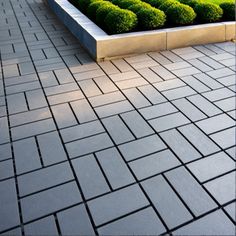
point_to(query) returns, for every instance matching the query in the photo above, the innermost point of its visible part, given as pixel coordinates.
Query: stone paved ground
(140, 145)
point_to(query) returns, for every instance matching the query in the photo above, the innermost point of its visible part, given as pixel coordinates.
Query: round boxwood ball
(120, 21)
(93, 7)
(139, 6)
(127, 3)
(228, 10)
(208, 12)
(180, 14)
(166, 4)
(154, 3)
(151, 18)
(191, 3)
(102, 12)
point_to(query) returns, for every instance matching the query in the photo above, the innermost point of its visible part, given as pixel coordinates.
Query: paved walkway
(140, 145)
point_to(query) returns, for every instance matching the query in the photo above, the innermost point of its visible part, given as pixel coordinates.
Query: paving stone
(231, 210)
(65, 97)
(190, 191)
(4, 138)
(3, 111)
(16, 231)
(122, 65)
(173, 57)
(83, 111)
(212, 63)
(10, 71)
(36, 99)
(89, 88)
(204, 105)
(218, 94)
(159, 58)
(108, 67)
(26, 68)
(88, 145)
(212, 166)
(141, 147)
(212, 224)
(117, 129)
(158, 110)
(137, 124)
(16, 103)
(9, 205)
(164, 199)
(113, 109)
(163, 73)
(220, 73)
(90, 176)
(137, 58)
(5, 151)
(195, 84)
(228, 80)
(177, 65)
(44, 203)
(105, 84)
(153, 164)
(44, 178)
(75, 221)
(63, 115)
(144, 222)
(89, 74)
(84, 68)
(170, 84)
(232, 152)
(29, 116)
(216, 123)
(189, 110)
(227, 104)
(61, 89)
(127, 200)
(149, 75)
(32, 129)
(179, 92)
(114, 168)
(107, 99)
(184, 50)
(225, 138)
(152, 94)
(168, 121)
(45, 226)
(186, 71)
(180, 146)
(21, 79)
(125, 84)
(22, 87)
(198, 139)
(48, 79)
(200, 65)
(6, 169)
(136, 98)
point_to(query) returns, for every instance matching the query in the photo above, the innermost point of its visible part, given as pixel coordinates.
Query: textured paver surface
(143, 145)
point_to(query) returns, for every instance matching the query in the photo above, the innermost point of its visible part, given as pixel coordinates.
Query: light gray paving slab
(208, 81)
(218, 94)
(75, 221)
(6, 169)
(190, 191)
(5, 151)
(169, 84)
(5, 137)
(127, 200)
(36, 99)
(141, 147)
(227, 104)
(90, 176)
(181, 92)
(144, 222)
(167, 203)
(212, 224)
(231, 210)
(45, 226)
(115, 168)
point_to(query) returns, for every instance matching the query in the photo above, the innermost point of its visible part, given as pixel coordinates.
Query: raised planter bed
(102, 46)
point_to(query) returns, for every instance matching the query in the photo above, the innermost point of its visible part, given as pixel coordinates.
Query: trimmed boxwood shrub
(180, 14)
(151, 18)
(191, 3)
(102, 12)
(93, 7)
(154, 3)
(120, 21)
(166, 4)
(127, 3)
(228, 10)
(208, 12)
(137, 7)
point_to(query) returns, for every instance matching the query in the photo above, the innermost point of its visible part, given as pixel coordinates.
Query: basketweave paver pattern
(142, 145)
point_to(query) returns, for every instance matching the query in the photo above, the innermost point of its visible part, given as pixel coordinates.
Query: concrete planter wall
(102, 46)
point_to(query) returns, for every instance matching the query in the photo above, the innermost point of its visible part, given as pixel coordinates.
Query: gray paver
(231, 210)
(5, 151)
(117, 130)
(211, 166)
(36, 99)
(45, 226)
(127, 200)
(218, 94)
(191, 192)
(223, 188)
(207, 80)
(141, 147)
(153, 164)
(90, 176)
(184, 91)
(9, 205)
(44, 203)
(75, 221)
(4, 138)
(215, 223)
(114, 168)
(183, 149)
(171, 209)
(143, 222)
(6, 169)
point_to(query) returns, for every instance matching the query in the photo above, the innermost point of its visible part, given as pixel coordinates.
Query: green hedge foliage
(228, 10)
